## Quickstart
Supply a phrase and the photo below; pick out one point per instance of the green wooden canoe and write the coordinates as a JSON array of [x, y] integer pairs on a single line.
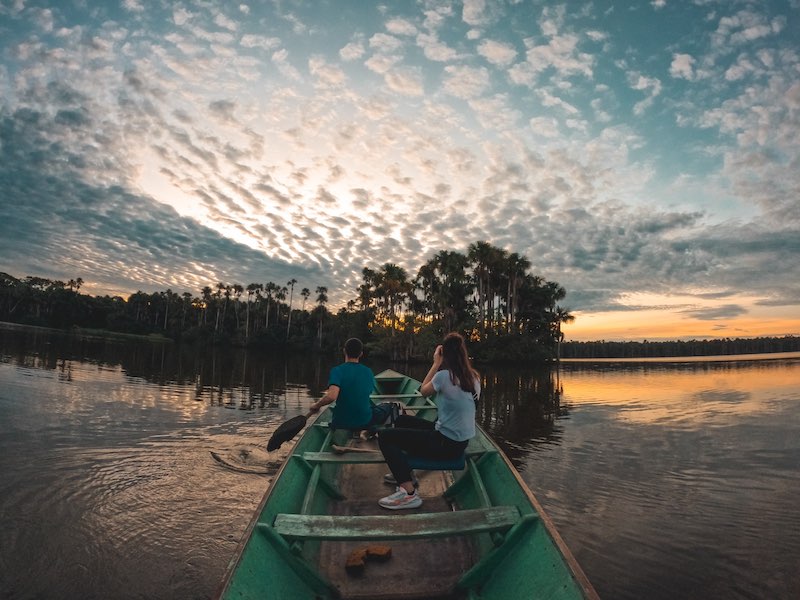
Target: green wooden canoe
[[480, 532]]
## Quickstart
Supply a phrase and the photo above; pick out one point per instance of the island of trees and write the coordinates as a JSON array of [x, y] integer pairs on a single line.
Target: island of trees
[[486, 293]]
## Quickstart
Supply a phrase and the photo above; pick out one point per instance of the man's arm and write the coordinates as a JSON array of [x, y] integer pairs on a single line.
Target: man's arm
[[329, 397]]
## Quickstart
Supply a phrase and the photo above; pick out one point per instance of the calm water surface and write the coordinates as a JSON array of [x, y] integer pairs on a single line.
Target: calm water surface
[[675, 480]]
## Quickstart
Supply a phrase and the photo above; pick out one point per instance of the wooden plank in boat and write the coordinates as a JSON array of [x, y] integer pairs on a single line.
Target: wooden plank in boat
[[396, 526]]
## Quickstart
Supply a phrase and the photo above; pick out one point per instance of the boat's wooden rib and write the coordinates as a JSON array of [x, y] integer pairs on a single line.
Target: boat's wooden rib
[[480, 532]]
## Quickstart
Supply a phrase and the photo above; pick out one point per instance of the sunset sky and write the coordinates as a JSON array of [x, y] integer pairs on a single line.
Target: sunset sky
[[644, 155]]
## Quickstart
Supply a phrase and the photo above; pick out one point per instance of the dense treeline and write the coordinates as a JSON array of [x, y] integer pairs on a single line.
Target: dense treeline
[[487, 293], [712, 347]]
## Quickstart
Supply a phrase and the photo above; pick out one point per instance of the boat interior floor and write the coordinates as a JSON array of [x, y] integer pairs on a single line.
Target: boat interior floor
[[416, 569]]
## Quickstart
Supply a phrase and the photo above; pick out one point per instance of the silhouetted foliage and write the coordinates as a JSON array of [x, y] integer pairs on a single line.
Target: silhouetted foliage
[[487, 294], [712, 347]]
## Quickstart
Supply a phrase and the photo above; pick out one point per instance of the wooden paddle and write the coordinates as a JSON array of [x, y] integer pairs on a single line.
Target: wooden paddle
[[344, 449], [286, 431]]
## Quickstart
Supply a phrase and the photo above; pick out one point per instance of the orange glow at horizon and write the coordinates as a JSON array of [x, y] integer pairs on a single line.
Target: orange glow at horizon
[[661, 326], [654, 318]]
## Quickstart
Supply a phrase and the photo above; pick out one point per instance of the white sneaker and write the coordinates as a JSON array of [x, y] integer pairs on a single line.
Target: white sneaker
[[389, 478], [401, 499]]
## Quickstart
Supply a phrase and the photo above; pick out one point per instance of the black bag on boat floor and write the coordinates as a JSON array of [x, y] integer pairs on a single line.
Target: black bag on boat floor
[[386, 413]]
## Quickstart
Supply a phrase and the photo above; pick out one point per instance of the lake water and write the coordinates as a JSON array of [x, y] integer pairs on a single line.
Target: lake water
[[673, 480]]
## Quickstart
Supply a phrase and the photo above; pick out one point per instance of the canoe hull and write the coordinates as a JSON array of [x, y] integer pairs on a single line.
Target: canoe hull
[[523, 558]]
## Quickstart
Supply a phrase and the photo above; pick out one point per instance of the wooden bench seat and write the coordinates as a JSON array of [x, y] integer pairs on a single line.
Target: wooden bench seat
[[395, 527]]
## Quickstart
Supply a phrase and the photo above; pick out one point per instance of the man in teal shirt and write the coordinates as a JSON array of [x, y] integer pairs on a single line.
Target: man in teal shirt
[[350, 385]]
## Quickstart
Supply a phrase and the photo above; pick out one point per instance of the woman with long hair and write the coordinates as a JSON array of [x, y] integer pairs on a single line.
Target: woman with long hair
[[458, 386]]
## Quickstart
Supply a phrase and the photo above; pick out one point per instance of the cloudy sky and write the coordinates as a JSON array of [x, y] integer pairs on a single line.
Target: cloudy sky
[[642, 154]]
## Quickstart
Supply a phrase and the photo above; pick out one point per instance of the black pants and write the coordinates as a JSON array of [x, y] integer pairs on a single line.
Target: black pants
[[413, 436]]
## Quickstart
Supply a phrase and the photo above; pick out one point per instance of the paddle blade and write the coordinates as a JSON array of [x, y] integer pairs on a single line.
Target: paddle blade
[[286, 431]]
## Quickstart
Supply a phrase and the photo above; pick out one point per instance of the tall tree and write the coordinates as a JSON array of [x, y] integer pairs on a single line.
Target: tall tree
[[238, 290], [445, 286], [185, 306], [393, 288], [479, 254], [280, 296], [366, 291], [322, 299], [290, 283], [497, 284], [252, 288], [169, 297], [269, 290], [454, 287], [562, 316], [217, 295], [208, 298], [517, 267]]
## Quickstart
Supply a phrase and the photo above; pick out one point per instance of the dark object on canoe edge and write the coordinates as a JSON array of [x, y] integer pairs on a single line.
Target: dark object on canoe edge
[[286, 431]]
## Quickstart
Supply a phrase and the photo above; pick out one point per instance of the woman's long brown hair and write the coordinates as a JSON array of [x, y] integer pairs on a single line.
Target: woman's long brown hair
[[456, 360]]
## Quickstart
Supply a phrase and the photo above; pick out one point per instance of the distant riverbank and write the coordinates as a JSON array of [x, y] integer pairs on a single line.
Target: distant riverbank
[[88, 333], [689, 359], [744, 349]]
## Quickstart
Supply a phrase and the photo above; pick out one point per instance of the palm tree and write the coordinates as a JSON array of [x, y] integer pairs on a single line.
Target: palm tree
[[366, 291], [280, 296], [393, 288], [269, 288], [187, 304], [322, 295], [168, 296], [305, 293], [207, 299], [427, 282], [532, 304], [445, 287], [290, 283], [322, 299], [218, 294], [258, 289], [454, 287], [554, 293], [562, 315], [252, 288], [238, 290], [479, 255], [517, 266], [497, 277], [199, 307]]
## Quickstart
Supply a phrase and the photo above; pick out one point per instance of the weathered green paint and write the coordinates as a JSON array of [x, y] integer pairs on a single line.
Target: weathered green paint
[[519, 554], [394, 527], [484, 569], [351, 458]]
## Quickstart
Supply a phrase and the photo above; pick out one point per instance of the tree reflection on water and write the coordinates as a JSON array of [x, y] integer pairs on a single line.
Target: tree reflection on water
[[228, 377], [521, 406]]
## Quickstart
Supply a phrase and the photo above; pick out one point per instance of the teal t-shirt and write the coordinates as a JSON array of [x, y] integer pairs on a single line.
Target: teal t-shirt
[[353, 408]]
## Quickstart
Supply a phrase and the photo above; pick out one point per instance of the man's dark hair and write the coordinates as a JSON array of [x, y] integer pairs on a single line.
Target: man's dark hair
[[353, 348]]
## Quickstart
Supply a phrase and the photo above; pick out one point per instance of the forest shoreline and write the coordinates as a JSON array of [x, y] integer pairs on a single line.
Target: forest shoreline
[[620, 351]]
